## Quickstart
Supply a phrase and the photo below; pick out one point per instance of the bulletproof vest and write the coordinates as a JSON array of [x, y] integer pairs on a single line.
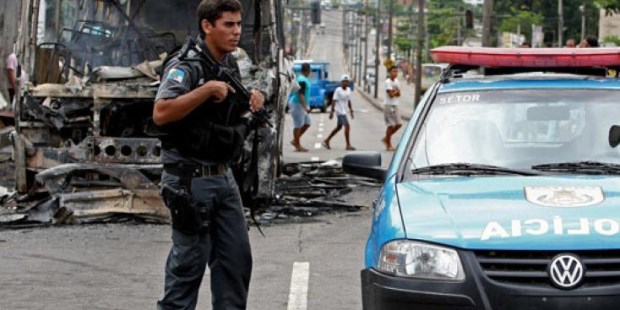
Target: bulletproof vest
[[214, 131]]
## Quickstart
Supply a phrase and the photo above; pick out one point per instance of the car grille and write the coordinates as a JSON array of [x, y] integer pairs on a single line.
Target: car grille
[[530, 267]]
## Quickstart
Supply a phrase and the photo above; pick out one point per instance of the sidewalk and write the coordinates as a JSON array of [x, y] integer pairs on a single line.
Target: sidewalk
[[407, 93]]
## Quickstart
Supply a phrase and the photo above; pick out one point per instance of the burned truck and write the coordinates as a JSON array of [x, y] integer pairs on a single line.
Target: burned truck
[[93, 68]]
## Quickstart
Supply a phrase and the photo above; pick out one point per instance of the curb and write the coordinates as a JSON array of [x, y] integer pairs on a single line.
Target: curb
[[378, 104]]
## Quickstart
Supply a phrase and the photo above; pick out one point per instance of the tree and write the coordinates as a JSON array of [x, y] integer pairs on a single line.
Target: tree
[[404, 44], [521, 21], [443, 21], [549, 9], [610, 6]]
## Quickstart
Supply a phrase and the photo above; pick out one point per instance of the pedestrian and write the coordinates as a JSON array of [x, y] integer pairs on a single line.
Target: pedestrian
[[390, 111], [201, 117], [570, 43], [589, 41], [299, 107], [340, 100], [11, 67]]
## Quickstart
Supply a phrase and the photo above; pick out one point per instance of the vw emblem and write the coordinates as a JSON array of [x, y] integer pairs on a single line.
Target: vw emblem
[[566, 271]]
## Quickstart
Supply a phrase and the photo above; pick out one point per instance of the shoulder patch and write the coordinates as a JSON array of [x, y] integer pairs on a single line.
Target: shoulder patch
[[176, 74]]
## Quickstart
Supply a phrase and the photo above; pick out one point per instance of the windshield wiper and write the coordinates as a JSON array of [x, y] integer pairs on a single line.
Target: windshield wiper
[[470, 169], [584, 167]]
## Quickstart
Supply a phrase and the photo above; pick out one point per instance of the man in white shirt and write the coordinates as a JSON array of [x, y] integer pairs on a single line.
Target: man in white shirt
[[390, 111], [340, 100]]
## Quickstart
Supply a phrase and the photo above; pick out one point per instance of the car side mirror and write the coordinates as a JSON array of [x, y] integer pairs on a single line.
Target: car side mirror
[[366, 164], [614, 135]]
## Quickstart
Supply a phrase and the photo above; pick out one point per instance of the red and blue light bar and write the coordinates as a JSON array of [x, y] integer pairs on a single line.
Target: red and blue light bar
[[527, 57]]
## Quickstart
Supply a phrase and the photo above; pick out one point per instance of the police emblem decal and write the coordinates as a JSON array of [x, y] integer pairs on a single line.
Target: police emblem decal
[[565, 197], [566, 271], [176, 75]]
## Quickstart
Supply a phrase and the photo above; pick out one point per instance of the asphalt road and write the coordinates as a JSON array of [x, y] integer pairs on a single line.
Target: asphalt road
[[121, 266], [368, 127]]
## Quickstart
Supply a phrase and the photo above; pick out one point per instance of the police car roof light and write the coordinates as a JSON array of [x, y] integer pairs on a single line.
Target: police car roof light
[[527, 57]]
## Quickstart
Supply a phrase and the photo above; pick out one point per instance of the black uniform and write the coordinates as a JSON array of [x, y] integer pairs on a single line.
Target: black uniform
[[216, 230]]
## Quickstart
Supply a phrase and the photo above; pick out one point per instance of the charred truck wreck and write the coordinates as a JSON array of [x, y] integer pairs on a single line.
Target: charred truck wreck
[[93, 67]]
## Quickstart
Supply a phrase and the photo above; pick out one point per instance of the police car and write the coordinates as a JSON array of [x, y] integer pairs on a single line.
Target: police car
[[504, 191]]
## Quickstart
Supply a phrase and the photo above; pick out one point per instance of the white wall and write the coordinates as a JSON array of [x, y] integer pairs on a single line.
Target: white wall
[[608, 25]]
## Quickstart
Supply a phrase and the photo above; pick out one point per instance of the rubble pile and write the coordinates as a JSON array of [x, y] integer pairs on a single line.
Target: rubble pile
[[314, 188], [306, 189]]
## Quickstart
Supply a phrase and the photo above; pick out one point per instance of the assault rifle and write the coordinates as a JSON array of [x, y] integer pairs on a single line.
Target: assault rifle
[[224, 74]]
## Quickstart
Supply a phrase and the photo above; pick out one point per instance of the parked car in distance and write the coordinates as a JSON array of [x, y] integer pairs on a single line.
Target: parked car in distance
[[321, 88]]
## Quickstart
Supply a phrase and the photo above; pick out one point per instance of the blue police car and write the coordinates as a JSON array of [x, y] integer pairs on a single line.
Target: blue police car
[[504, 191]]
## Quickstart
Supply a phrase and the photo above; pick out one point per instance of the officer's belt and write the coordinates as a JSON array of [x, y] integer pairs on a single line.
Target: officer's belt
[[196, 171]]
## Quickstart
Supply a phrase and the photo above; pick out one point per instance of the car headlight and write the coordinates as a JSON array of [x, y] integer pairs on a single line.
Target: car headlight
[[406, 258]]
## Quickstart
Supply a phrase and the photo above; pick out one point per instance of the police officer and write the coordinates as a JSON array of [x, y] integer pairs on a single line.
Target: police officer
[[201, 118]]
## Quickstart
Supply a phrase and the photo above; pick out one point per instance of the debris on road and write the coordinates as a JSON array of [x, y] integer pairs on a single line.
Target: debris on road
[[66, 195], [314, 188]]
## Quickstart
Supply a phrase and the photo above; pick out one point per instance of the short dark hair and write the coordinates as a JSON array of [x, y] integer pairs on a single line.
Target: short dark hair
[[211, 10], [592, 41], [305, 67]]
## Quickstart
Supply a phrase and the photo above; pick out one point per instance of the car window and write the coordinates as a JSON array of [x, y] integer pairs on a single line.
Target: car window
[[430, 71], [518, 128], [314, 74]]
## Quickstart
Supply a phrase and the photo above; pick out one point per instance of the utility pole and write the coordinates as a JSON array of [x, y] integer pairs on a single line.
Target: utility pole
[[344, 32], [377, 48], [487, 22], [582, 8], [418, 61], [459, 28], [360, 37], [560, 23], [367, 38], [389, 44]]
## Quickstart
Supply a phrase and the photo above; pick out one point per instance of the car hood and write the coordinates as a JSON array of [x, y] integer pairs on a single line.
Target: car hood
[[549, 212]]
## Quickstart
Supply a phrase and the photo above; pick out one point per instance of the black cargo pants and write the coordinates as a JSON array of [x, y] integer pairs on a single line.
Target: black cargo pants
[[226, 248]]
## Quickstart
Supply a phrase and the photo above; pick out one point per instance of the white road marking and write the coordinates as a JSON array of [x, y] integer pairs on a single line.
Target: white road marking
[[320, 136], [315, 159], [320, 129], [317, 145], [298, 295]]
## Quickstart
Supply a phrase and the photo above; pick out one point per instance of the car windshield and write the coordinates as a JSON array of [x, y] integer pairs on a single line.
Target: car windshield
[[518, 129]]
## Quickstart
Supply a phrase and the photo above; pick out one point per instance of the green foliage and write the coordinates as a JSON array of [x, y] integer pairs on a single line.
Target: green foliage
[[504, 9], [523, 20], [404, 28], [612, 39], [443, 21], [403, 43], [610, 6]]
